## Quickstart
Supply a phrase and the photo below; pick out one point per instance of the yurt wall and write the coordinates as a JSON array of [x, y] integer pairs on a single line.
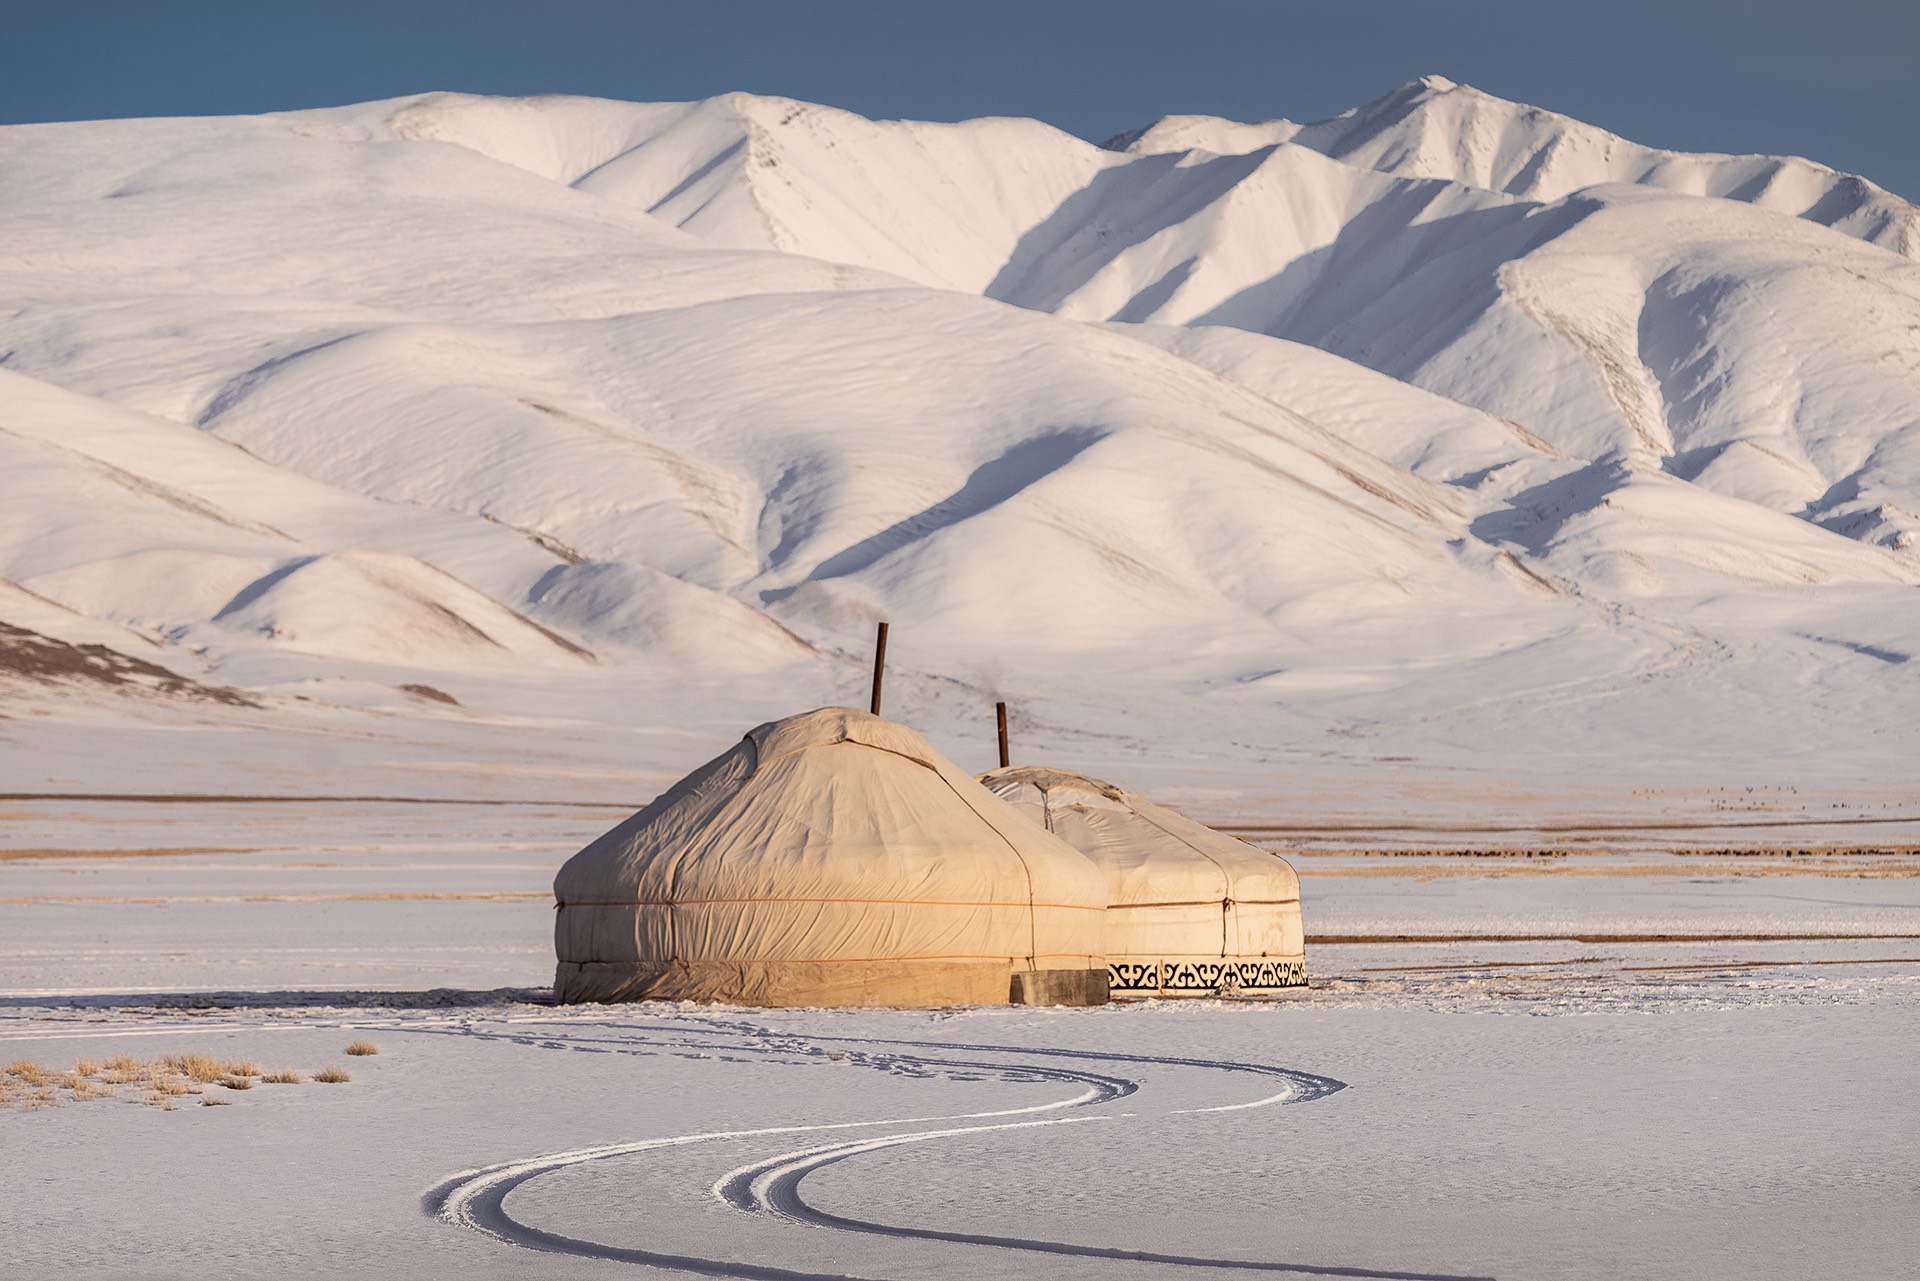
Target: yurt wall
[[1190, 911]]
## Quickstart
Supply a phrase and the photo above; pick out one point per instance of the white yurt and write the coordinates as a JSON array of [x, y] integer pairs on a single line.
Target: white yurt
[[1190, 911], [832, 858]]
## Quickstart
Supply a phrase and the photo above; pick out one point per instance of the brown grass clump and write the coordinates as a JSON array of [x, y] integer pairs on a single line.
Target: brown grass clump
[[27, 1072], [124, 1069], [160, 1083], [203, 1068]]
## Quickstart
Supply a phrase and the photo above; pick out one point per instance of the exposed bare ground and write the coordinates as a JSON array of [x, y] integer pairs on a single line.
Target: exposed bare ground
[[218, 798], [1763, 865], [28, 655], [1570, 936], [1580, 827], [147, 851], [1745, 851], [163, 900]]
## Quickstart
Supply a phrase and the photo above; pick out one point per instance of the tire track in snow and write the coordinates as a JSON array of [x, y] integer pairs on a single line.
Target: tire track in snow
[[774, 1186], [477, 1199]]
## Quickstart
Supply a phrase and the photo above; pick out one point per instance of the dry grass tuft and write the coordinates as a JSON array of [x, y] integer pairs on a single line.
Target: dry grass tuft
[[28, 1073], [124, 1069], [213, 1101], [16, 1094], [195, 1067], [160, 1083]]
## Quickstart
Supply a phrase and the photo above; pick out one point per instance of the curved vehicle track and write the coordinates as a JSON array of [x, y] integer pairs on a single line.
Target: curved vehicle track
[[774, 1186], [477, 1199]]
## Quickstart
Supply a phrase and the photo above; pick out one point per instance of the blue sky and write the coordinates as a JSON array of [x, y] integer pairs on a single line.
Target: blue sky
[[1835, 80]]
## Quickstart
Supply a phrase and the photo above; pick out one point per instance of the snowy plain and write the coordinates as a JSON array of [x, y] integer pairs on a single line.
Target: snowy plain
[[1614, 1062], [1514, 524]]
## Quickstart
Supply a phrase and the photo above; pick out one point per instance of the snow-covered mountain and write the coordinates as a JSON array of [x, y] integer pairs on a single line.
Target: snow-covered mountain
[[1449, 423], [1434, 128]]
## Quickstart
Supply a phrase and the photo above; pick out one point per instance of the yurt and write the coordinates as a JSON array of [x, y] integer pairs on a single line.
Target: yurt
[[832, 858], [1191, 912]]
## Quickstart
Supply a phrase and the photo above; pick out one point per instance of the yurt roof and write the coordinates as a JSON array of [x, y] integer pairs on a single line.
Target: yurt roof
[[1150, 852], [776, 792]]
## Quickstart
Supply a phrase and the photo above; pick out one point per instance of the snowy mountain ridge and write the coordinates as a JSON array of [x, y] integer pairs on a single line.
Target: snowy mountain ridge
[[1447, 423], [1434, 128], [1530, 208]]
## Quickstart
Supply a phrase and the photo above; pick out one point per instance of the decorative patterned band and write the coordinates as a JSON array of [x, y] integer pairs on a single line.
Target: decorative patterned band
[[1227, 975]]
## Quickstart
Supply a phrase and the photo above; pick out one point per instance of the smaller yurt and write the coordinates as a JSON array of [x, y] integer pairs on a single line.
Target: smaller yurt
[[1191, 912], [832, 858]]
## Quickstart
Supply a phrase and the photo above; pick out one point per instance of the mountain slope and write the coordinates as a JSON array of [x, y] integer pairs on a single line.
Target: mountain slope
[[941, 204], [1434, 234], [589, 410], [1434, 128]]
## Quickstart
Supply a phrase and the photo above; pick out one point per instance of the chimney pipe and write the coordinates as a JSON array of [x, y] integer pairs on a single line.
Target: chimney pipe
[[879, 666]]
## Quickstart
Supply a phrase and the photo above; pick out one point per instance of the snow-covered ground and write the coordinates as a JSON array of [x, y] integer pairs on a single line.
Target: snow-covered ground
[[1602, 1064], [1478, 1142]]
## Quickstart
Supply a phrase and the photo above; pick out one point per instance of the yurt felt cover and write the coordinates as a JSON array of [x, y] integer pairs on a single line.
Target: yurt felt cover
[[832, 858], [1192, 911]]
